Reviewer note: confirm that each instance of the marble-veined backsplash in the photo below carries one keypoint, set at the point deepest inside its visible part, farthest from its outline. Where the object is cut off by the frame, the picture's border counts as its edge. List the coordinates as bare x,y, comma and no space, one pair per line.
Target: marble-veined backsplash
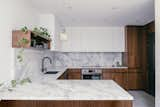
78,59
30,65
32,61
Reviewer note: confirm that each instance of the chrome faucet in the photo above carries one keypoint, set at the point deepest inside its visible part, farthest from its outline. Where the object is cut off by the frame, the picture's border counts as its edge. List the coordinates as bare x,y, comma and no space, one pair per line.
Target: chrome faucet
43,68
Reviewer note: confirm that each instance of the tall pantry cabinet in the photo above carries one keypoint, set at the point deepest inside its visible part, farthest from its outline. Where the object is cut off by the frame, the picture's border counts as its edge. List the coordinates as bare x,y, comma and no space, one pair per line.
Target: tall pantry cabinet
135,39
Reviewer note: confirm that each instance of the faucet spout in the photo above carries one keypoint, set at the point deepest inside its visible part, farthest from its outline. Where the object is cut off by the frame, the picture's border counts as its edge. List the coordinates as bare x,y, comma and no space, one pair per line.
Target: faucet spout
43,60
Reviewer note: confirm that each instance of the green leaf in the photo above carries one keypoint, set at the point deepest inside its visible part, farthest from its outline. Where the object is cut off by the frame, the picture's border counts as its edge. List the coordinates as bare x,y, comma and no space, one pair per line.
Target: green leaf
24,29
22,42
10,90
13,83
1,84
20,58
41,31
26,80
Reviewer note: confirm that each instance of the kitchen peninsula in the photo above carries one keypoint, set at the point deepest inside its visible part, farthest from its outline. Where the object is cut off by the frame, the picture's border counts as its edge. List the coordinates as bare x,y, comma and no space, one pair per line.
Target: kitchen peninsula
71,93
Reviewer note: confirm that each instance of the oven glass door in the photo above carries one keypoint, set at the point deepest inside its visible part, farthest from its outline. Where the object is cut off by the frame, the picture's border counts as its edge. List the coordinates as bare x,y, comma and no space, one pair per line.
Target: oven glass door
92,77
96,77
87,77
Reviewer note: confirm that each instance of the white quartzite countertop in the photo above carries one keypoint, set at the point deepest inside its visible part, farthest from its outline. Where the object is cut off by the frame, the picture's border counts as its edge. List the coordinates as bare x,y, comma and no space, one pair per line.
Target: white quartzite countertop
68,90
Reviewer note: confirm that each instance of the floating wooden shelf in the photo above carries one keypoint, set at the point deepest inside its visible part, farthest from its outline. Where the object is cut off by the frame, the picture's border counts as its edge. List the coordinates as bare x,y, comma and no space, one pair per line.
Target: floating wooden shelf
41,36
34,40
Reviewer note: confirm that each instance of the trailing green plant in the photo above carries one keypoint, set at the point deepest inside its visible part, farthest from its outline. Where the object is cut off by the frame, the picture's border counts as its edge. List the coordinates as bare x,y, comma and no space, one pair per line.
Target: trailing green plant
19,57
26,80
22,43
41,31
24,29
13,83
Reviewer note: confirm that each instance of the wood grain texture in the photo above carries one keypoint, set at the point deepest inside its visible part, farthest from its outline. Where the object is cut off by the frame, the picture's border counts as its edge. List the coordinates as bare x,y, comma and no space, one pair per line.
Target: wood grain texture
18,35
107,74
136,56
118,75
64,76
135,79
151,27
74,74
132,33
66,103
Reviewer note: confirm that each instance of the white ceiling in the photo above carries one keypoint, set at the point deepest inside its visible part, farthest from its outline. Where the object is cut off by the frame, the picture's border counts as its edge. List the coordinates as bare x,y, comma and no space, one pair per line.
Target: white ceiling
99,12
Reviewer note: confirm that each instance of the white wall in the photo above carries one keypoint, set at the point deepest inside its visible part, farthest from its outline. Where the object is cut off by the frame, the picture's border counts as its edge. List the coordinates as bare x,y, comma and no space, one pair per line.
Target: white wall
50,22
58,30
14,14
94,39
157,45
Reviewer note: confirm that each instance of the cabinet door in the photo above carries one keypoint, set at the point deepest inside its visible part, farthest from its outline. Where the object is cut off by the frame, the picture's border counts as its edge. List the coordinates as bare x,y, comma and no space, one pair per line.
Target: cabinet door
120,78
118,39
132,33
92,39
118,75
135,79
107,74
3,104
132,36
74,41
74,74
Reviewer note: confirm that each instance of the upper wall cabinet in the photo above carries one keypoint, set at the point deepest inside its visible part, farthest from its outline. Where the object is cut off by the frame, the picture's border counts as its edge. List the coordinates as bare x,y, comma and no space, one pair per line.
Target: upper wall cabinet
94,39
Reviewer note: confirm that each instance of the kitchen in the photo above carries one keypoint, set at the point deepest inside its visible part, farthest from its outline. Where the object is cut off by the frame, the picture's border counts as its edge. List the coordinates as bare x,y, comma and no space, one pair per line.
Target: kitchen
83,57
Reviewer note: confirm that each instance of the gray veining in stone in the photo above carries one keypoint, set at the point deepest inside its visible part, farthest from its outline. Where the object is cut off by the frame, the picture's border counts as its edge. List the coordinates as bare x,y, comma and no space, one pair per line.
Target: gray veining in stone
68,90
31,66
86,59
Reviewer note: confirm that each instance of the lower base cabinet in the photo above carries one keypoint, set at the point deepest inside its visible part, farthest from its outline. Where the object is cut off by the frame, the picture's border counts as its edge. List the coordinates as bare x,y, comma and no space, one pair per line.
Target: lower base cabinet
135,80
74,74
118,75
70,103
129,79
120,78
